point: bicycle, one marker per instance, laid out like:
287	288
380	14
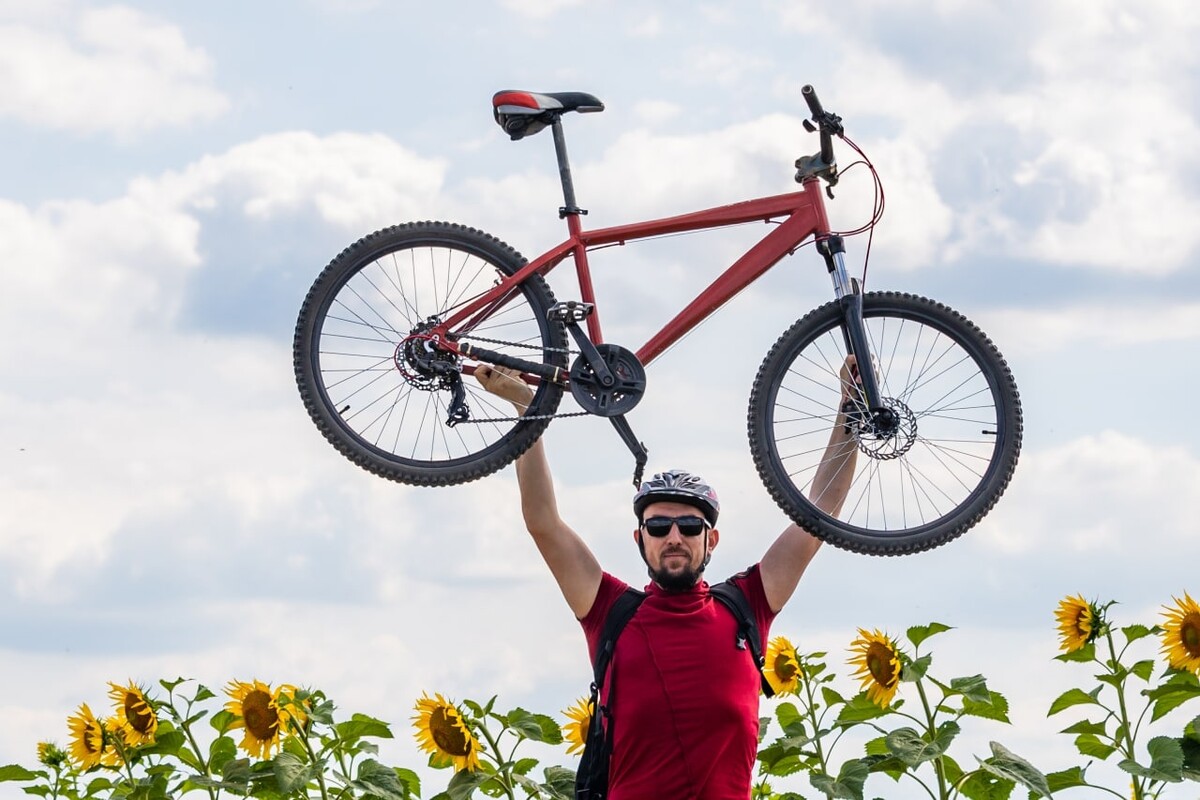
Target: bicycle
392	325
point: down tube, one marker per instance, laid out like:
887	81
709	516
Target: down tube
757	260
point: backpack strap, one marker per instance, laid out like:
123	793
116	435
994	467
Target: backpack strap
618	616
591	779
733	598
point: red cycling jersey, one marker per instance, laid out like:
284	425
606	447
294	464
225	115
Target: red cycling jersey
686	698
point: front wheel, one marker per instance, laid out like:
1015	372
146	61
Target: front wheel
921	481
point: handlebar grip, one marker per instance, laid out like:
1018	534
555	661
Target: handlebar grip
818	114
810	97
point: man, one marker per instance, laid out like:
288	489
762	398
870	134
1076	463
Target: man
685	718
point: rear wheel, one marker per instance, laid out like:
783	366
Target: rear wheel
381	393
934	471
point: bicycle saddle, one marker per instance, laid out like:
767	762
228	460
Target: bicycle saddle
523	113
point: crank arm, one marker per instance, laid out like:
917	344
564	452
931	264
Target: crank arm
640	454
589	352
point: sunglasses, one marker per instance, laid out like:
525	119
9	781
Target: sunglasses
658	527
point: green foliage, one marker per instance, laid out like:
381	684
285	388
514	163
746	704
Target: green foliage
913	736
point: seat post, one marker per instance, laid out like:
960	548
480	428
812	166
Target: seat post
564	171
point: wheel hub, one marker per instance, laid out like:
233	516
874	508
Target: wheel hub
422	363
890	433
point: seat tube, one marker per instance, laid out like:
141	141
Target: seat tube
571	212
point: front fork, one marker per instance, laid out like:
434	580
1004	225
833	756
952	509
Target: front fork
849	294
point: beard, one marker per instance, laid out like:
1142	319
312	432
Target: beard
679	581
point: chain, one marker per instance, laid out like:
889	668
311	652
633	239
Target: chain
527	417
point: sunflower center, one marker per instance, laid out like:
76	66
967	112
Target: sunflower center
137	711
1189	634
446	733
785	668
261	719
879	662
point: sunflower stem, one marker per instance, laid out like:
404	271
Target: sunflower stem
319	770
810	695
1119	687
931	727
502	772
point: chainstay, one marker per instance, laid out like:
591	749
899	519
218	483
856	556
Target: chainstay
566	350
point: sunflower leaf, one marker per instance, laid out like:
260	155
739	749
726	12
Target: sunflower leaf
915	670
464	783
1066	779
221	721
831	697
560	782
913	749
790	719
360	725
1135	632
378	782
860	708
972	688
1084	726
291	774
1008	765
1166	761
167	743
202	693
849	783
1169	696
1090	745
995	708
983	785
221	752
1143	669
1085	653
1073	697
536	727
15	772
919	633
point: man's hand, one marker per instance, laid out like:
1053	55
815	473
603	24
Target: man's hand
505	383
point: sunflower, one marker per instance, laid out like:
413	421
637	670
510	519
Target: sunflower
1078	623
878	661
443	733
90	746
51	754
576	731
783	666
1181	637
258	711
135	717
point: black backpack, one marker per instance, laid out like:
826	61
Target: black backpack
591	781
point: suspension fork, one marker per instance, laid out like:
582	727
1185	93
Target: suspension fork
849	294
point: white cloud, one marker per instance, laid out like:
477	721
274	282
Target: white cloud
538	9
1102	495
112	69
1097	327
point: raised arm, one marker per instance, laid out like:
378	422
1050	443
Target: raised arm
571	562
788	557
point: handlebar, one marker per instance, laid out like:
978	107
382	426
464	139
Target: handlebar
827	123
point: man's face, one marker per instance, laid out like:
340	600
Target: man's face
676	561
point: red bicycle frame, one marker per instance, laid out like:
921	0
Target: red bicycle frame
803	214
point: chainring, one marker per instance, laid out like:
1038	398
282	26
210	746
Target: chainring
629	382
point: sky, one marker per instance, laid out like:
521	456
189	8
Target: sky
175	176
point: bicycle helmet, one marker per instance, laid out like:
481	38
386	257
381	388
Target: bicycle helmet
678	486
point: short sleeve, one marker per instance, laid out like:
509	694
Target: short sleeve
750	582
593	622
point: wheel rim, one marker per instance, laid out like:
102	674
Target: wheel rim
368	334
933	462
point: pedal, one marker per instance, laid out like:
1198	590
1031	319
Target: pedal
570	311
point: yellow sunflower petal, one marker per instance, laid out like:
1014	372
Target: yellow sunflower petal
88	747
1181	634
878	665
576	730
443	733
